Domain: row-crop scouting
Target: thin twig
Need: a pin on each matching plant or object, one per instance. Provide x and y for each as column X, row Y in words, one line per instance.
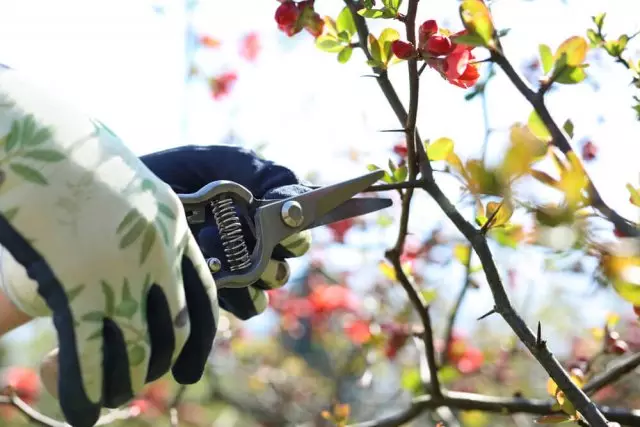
column 467, row 277
column 498, row 405
column 42, row 420
column 612, row 375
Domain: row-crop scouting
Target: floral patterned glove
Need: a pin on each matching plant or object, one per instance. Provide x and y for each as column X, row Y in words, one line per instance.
column 107, row 246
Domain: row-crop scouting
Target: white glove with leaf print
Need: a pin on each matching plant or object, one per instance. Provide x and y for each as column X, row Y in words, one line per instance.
column 109, row 247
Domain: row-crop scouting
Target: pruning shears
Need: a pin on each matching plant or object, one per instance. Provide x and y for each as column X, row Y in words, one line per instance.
column 273, row 220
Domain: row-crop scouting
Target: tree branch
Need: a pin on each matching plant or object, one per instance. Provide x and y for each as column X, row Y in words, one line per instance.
column 40, row 419
column 498, row 405
column 612, row 375
column 561, row 141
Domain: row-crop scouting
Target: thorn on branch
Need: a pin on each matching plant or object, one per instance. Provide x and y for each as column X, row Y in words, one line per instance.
column 540, row 343
column 393, row 130
column 484, row 316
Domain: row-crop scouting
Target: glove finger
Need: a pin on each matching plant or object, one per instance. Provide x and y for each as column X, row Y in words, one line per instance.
column 164, row 340
column 244, row 303
column 293, row 246
column 275, row 275
column 202, row 311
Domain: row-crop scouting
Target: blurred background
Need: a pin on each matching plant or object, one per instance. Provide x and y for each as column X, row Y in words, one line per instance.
column 175, row 72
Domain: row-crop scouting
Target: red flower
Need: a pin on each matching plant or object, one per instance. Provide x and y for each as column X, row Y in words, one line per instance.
column 428, row 28
column 439, row 45
column 220, row 86
column 287, row 14
column 340, row 228
column 292, row 17
column 471, row 361
column 402, row 50
column 250, row 47
column 315, row 25
column 330, row 298
column 589, row 151
column 459, row 69
column 358, row 331
column 401, row 149
column 210, row 42
column 22, row 381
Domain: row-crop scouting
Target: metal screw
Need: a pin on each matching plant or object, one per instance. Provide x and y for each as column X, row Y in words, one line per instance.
column 292, row 214
column 214, row 264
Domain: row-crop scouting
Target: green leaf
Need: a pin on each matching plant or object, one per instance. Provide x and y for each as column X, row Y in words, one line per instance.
column 371, row 13
column 45, row 155
column 400, row 174
column 429, row 295
column 575, row 48
column 439, row 149
column 386, row 39
column 386, row 178
column 462, row 252
column 345, row 55
column 628, row 291
column 410, row 380
column 546, row 58
column 132, row 235
column 109, row 298
column 594, row 37
column 93, row 316
column 599, row 20
column 374, row 48
column 136, row 354
column 477, row 20
column 571, row 75
column 568, row 127
column 148, row 240
column 345, row 22
column 28, row 173
column 74, row 292
column 537, row 127
column 469, row 40
column 328, row 44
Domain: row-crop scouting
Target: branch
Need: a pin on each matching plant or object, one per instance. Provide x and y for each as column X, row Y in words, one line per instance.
column 612, row 375
column 561, row 141
column 498, row 405
column 40, row 419
column 479, row 243
column 467, row 278
column 409, row 121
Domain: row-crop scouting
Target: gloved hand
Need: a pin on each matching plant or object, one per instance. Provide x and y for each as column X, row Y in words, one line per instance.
column 106, row 245
column 189, row 168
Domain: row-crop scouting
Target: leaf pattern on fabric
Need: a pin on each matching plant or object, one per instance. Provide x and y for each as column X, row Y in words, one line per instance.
column 22, row 152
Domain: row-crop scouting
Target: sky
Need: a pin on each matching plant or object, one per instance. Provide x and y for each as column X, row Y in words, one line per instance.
column 126, row 63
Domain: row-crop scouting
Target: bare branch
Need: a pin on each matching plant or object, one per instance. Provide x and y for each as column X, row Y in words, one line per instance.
column 498, row 405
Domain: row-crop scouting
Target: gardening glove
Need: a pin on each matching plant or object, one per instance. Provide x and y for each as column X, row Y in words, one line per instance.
column 106, row 245
column 189, row 168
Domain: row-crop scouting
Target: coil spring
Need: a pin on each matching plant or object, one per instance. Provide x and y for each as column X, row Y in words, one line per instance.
column 235, row 248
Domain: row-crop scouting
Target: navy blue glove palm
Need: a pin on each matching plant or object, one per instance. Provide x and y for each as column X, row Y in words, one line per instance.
column 187, row 169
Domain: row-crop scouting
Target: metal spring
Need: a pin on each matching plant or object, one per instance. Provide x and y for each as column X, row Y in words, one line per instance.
column 230, row 229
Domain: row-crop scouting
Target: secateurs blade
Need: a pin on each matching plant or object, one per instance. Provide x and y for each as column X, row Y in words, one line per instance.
column 272, row 220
